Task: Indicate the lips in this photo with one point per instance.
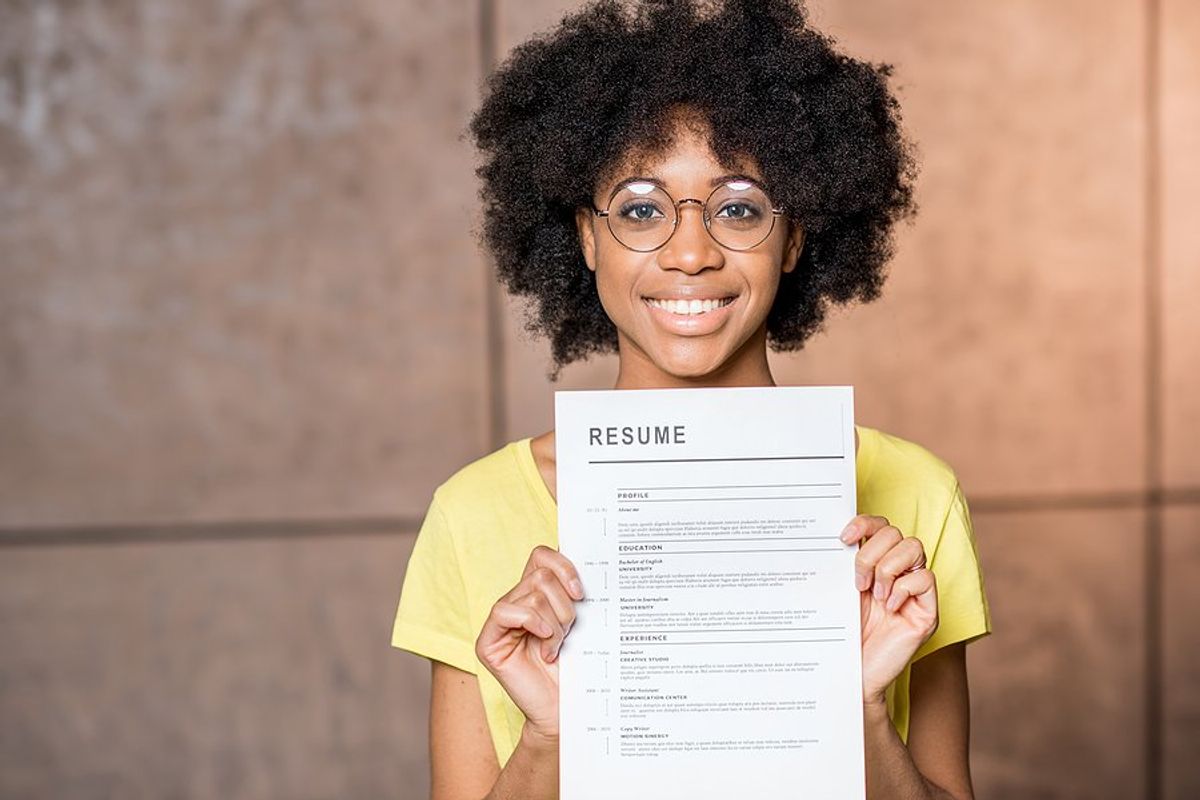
(669, 313)
(691, 294)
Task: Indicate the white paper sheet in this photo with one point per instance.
(717, 653)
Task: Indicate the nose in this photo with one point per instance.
(691, 248)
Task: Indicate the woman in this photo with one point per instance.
(685, 186)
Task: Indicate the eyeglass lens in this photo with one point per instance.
(738, 214)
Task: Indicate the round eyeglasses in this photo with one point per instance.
(642, 216)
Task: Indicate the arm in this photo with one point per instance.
(899, 603)
(463, 760)
(465, 766)
(519, 645)
(934, 765)
(461, 756)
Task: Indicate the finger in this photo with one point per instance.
(549, 584)
(549, 558)
(908, 554)
(871, 552)
(551, 596)
(538, 601)
(861, 527)
(507, 619)
(921, 586)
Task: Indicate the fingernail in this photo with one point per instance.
(893, 602)
(845, 535)
(576, 587)
(554, 655)
(878, 590)
(860, 581)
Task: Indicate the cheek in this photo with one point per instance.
(765, 273)
(778, 242)
(614, 294)
(617, 274)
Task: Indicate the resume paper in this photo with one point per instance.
(717, 651)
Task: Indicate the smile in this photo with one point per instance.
(690, 317)
(689, 307)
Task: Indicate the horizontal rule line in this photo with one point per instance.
(714, 499)
(738, 630)
(743, 641)
(642, 553)
(728, 539)
(729, 486)
(729, 458)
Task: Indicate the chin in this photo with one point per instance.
(690, 365)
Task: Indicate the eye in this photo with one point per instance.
(640, 211)
(739, 210)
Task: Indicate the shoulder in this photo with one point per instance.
(493, 517)
(497, 466)
(493, 508)
(480, 481)
(907, 483)
(900, 464)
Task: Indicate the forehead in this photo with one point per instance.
(684, 157)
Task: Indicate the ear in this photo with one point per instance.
(794, 246)
(587, 235)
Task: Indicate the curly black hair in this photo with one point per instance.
(570, 104)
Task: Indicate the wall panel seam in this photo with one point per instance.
(1153, 549)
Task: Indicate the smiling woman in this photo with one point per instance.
(572, 115)
(686, 184)
(688, 299)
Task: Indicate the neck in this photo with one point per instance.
(746, 367)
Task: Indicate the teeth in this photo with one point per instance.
(688, 307)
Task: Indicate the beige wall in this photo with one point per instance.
(244, 331)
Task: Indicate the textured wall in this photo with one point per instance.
(226, 227)
(244, 331)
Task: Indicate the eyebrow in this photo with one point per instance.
(715, 182)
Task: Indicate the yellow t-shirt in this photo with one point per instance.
(484, 520)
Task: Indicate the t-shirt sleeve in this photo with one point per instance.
(432, 619)
(963, 612)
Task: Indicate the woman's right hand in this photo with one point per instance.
(521, 637)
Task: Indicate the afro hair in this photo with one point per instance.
(569, 105)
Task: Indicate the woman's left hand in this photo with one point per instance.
(898, 600)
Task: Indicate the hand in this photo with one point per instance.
(521, 637)
(898, 600)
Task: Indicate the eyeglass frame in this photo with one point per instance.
(606, 213)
